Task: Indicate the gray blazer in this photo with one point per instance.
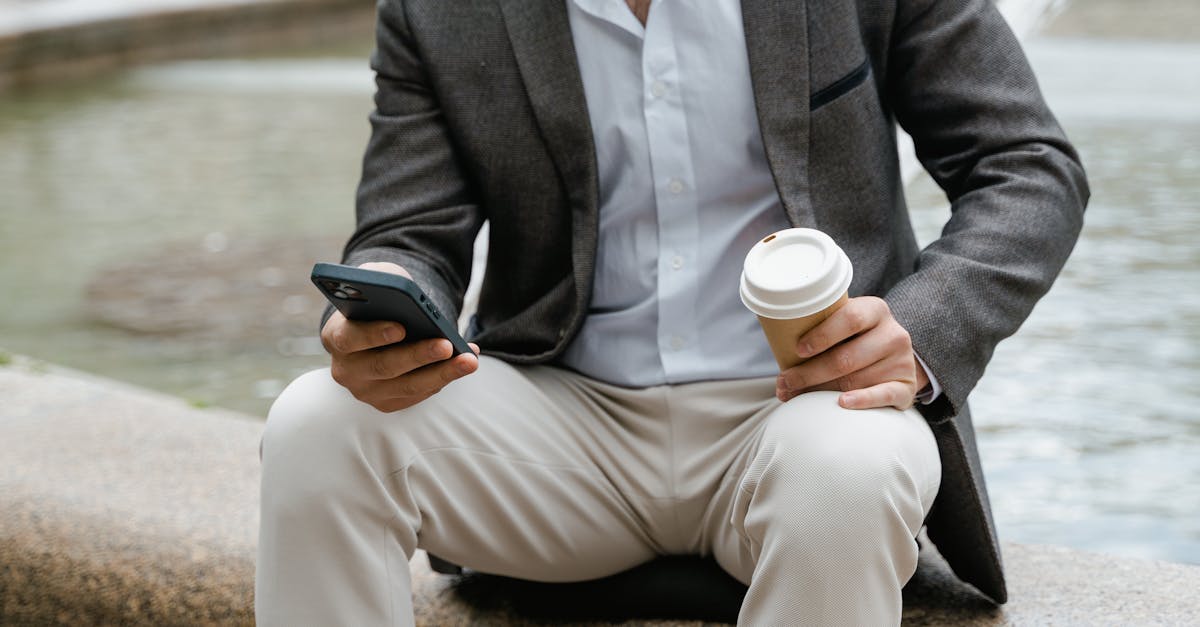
(480, 115)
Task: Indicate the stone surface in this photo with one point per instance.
(126, 506)
(122, 505)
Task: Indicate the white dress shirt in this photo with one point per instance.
(685, 192)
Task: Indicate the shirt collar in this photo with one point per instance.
(615, 12)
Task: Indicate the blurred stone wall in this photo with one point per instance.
(58, 39)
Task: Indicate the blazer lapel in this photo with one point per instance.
(777, 43)
(540, 33)
(777, 46)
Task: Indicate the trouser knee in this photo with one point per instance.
(823, 471)
(319, 441)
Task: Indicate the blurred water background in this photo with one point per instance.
(156, 226)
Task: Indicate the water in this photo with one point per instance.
(1089, 417)
(164, 162)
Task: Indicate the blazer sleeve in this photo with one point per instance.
(415, 205)
(959, 83)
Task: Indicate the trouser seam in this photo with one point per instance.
(672, 483)
(389, 536)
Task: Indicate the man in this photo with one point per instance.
(627, 155)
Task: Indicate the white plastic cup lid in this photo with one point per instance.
(794, 273)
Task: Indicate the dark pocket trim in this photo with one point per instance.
(839, 87)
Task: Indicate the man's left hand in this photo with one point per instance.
(860, 351)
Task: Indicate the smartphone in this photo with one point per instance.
(365, 295)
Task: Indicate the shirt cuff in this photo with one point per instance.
(931, 391)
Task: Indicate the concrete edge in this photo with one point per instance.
(48, 50)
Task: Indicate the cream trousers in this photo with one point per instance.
(540, 473)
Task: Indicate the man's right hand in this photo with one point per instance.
(390, 378)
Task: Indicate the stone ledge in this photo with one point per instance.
(57, 39)
(122, 505)
(126, 506)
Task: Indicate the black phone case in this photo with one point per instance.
(372, 295)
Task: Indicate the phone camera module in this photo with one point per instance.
(342, 291)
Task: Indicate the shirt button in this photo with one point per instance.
(675, 186)
(658, 89)
(677, 262)
(676, 342)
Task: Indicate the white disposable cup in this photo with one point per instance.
(793, 279)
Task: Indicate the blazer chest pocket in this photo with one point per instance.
(851, 156)
(841, 86)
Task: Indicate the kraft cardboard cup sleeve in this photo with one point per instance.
(792, 280)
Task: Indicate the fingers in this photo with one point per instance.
(856, 316)
(342, 337)
(885, 351)
(895, 391)
(412, 388)
(390, 378)
(394, 361)
(385, 266)
(398, 377)
(861, 351)
(889, 394)
(883, 370)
